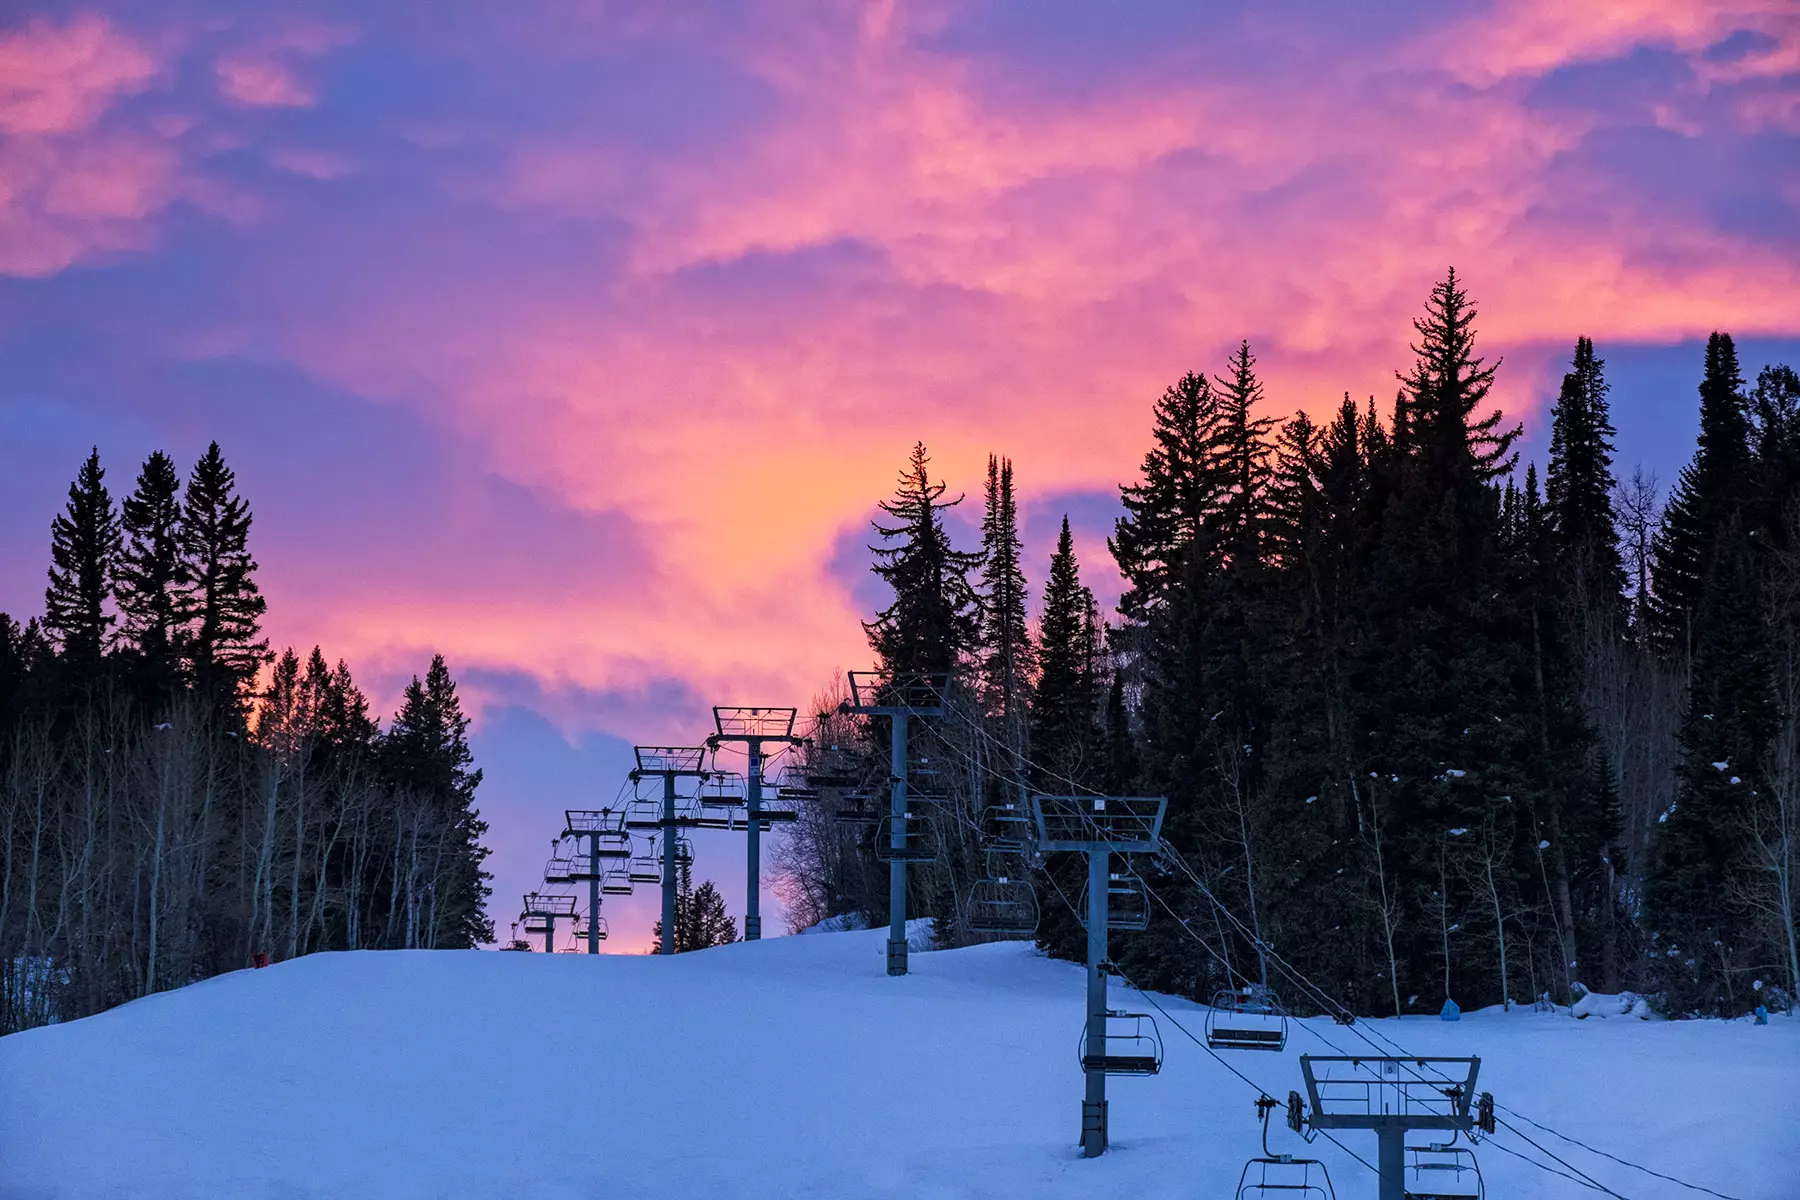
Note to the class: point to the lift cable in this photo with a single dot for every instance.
(1261, 1091)
(1332, 1004)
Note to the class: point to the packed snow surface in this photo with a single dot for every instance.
(793, 1068)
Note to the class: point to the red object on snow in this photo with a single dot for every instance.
(260, 959)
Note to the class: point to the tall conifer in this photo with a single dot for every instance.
(150, 575)
(84, 551)
(1709, 495)
(933, 619)
(1006, 652)
(1580, 485)
(223, 606)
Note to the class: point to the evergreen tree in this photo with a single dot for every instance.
(1775, 442)
(1007, 657)
(84, 551)
(1179, 489)
(150, 578)
(1063, 706)
(425, 753)
(932, 622)
(223, 607)
(708, 921)
(1708, 496)
(1581, 486)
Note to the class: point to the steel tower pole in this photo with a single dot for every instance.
(897, 842)
(1093, 1107)
(753, 842)
(668, 880)
(593, 893)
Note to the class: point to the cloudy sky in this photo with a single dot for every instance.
(576, 340)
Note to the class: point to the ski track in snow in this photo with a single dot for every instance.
(792, 1067)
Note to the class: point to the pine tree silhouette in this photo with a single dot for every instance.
(84, 552)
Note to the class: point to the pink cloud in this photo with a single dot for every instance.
(59, 79)
(267, 70)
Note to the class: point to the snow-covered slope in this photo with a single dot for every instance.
(792, 1067)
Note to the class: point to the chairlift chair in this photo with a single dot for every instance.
(1008, 826)
(1246, 1018)
(918, 840)
(560, 869)
(580, 931)
(645, 868)
(1133, 1046)
(1283, 1177)
(858, 808)
(615, 880)
(1000, 904)
(1127, 902)
(1442, 1171)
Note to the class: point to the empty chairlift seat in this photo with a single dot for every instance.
(1442, 1171)
(560, 869)
(581, 928)
(1001, 904)
(918, 840)
(1133, 1046)
(1246, 1018)
(1127, 902)
(615, 880)
(858, 808)
(646, 868)
(1285, 1178)
(1006, 827)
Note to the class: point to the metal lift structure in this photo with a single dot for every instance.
(670, 765)
(608, 845)
(1391, 1097)
(1113, 1043)
(542, 912)
(899, 837)
(754, 727)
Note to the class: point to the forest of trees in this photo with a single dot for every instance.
(1432, 724)
(175, 801)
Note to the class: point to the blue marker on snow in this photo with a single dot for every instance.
(1450, 1012)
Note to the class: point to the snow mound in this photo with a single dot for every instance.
(793, 1067)
(1605, 1004)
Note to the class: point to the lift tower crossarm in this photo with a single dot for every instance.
(1099, 826)
(1389, 1096)
(668, 763)
(899, 696)
(604, 830)
(542, 912)
(754, 725)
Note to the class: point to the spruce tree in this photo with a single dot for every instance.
(1007, 657)
(1063, 705)
(1580, 486)
(933, 619)
(223, 608)
(425, 752)
(84, 552)
(1710, 493)
(1164, 511)
(150, 577)
(1775, 442)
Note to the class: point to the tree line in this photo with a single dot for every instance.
(1430, 726)
(176, 801)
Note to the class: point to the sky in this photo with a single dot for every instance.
(577, 340)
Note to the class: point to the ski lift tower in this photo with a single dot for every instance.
(1390, 1097)
(668, 763)
(899, 697)
(753, 727)
(542, 912)
(606, 839)
(1101, 826)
